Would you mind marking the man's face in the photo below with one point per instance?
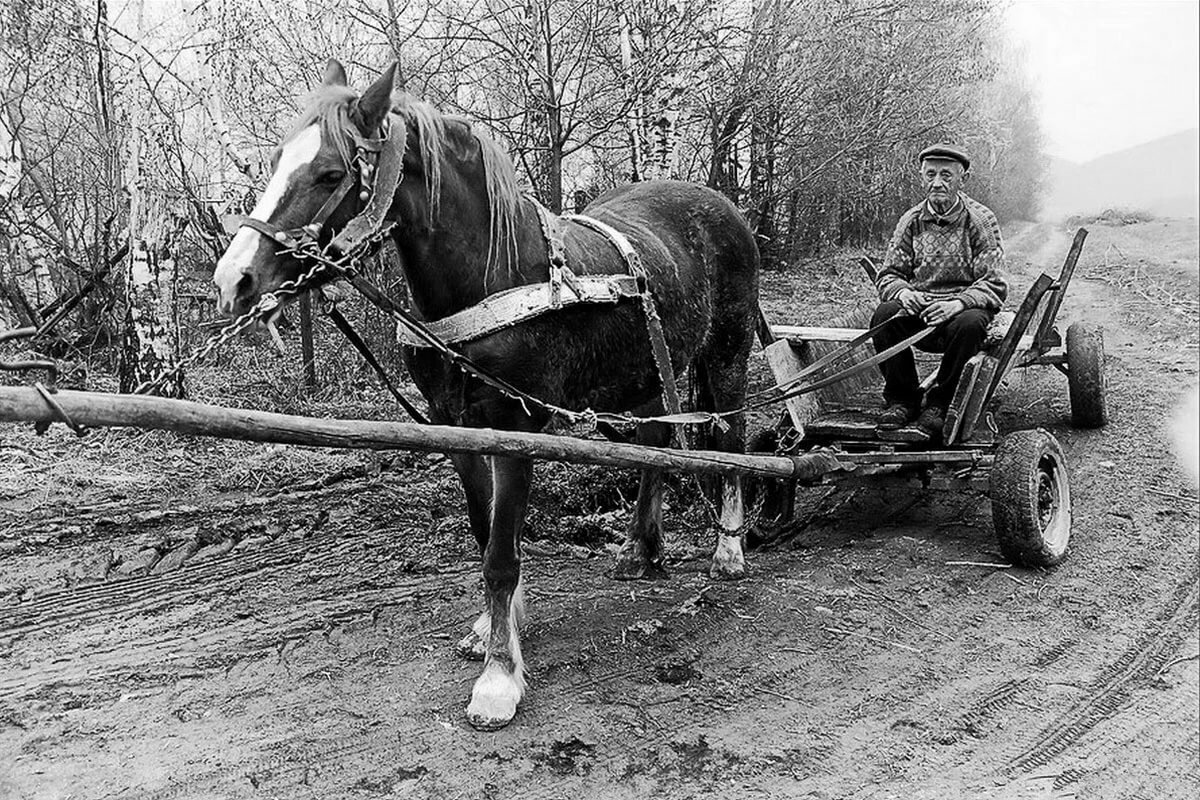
(943, 178)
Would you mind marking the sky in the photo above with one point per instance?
(1110, 73)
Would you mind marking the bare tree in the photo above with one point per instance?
(149, 342)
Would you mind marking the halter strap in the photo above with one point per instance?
(361, 170)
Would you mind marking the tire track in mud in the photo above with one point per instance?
(60, 634)
(1113, 687)
(131, 513)
(314, 770)
(218, 648)
(135, 596)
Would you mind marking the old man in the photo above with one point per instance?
(943, 268)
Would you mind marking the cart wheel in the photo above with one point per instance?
(1085, 375)
(1031, 499)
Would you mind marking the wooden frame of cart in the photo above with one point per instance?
(1024, 472)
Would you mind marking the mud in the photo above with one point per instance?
(191, 619)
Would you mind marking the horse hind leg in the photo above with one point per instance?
(641, 554)
(501, 685)
(722, 387)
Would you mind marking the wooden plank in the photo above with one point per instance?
(1016, 333)
(799, 334)
(976, 402)
(93, 409)
(847, 424)
(816, 333)
(968, 384)
(974, 456)
(307, 351)
(785, 363)
(1042, 336)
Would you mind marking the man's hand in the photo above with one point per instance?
(938, 312)
(911, 301)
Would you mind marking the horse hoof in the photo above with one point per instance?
(471, 647)
(728, 562)
(630, 569)
(726, 572)
(634, 563)
(483, 722)
(493, 700)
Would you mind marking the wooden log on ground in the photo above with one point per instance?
(99, 410)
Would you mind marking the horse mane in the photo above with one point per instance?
(330, 107)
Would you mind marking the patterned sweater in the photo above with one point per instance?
(959, 255)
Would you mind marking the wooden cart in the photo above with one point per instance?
(1024, 472)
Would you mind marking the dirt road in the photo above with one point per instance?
(196, 619)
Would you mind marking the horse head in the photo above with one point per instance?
(317, 185)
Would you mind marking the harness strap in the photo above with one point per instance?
(556, 253)
(511, 306)
(658, 339)
(386, 177)
(632, 260)
(348, 331)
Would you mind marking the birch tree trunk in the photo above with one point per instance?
(149, 341)
(24, 277)
(633, 119)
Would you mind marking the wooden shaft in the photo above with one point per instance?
(101, 410)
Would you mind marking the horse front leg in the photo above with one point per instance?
(500, 688)
(641, 553)
(475, 473)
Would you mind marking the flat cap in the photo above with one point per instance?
(949, 151)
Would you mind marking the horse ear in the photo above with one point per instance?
(376, 102)
(335, 73)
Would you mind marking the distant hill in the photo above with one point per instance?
(1158, 176)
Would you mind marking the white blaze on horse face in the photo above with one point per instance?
(298, 151)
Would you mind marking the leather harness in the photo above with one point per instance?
(377, 167)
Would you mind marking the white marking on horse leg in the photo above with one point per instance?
(519, 613)
(499, 689)
(728, 561)
(298, 151)
(473, 646)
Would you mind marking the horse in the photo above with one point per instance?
(464, 231)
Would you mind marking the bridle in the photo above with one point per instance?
(361, 171)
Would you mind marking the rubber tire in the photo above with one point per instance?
(1086, 375)
(1031, 499)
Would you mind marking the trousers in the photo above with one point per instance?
(958, 339)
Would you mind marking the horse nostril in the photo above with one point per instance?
(245, 285)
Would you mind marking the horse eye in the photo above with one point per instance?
(332, 176)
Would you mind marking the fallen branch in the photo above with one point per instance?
(1183, 497)
(1180, 660)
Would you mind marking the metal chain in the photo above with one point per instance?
(270, 301)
